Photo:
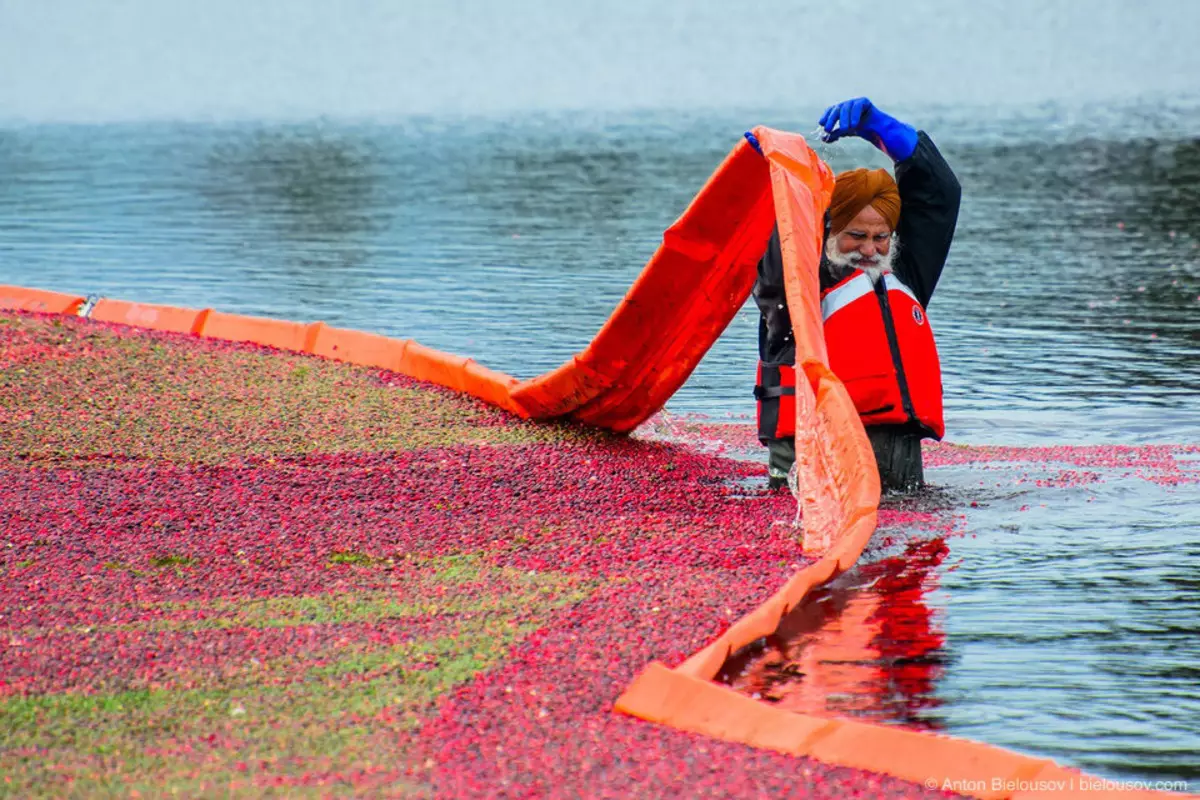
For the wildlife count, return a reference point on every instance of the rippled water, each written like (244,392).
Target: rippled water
(1069,313)
(1072,618)
(1046,607)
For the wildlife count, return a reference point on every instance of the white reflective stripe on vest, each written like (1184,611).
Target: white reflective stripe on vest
(892,282)
(837,299)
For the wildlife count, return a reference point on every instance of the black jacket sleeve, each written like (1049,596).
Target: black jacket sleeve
(929,198)
(775,342)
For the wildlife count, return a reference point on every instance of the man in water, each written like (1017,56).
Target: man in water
(886,242)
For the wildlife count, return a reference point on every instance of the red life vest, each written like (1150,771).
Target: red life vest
(881,346)
(775,390)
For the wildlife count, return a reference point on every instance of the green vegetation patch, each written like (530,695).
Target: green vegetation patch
(77,391)
(285,728)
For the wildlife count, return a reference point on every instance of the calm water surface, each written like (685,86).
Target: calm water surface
(1069,313)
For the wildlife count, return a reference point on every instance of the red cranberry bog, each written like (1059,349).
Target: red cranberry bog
(244,556)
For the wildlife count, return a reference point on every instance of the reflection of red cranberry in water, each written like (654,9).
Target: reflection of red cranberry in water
(868,649)
(908,642)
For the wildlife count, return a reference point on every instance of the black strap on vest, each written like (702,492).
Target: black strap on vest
(889,326)
(767,392)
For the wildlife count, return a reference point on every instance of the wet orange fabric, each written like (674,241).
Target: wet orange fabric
(18,298)
(835,466)
(146,315)
(683,300)
(271,332)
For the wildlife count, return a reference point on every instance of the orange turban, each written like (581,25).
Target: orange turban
(859,188)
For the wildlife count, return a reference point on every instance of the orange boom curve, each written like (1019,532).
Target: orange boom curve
(683,300)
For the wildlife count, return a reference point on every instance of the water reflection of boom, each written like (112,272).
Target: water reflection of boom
(870,649)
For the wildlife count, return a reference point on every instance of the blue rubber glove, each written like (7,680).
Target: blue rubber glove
(858,117)
(753,140)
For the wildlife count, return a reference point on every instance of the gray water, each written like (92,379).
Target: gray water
(1072,618)
(1069,313)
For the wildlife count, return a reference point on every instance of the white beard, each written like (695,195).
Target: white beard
(873,267)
